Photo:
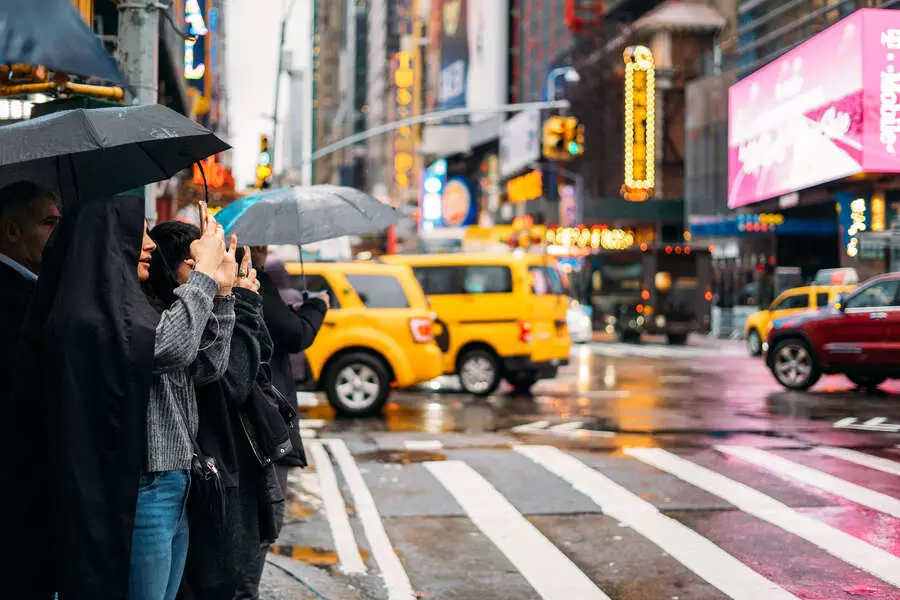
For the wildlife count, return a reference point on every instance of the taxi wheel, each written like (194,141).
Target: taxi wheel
(358,384)
(754,343)
(479,372)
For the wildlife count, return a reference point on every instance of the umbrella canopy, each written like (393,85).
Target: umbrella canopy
(304,215)
(103,151)
(51,33)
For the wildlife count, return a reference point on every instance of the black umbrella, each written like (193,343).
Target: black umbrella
(51,33)
(103,151)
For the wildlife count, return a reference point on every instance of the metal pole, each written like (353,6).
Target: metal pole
(138,58)
(434,117)
(274,145)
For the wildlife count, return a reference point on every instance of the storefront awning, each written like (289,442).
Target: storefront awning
(681,16)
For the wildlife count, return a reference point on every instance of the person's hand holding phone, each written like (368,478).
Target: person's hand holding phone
(247,274)
(226,274)
(209,251)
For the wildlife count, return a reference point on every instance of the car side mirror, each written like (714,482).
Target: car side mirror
(839,302)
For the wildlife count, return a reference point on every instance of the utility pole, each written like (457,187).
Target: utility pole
(138,58)
(284,21)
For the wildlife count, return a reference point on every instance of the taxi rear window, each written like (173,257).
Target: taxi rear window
(547,281)
(379,291)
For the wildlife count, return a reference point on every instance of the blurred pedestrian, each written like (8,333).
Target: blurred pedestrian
(28,215)
(114,379)
(292,330)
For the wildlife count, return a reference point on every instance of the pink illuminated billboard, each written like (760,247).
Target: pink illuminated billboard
(826,110)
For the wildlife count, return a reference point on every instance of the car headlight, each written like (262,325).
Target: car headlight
(660,321)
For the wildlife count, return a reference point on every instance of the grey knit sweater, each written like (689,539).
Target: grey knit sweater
(192,343)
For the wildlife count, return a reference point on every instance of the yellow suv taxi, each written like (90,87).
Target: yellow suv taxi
(378,333)
(500,316)
(789,302)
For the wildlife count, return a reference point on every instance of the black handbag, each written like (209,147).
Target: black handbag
(267,421)
(207,493)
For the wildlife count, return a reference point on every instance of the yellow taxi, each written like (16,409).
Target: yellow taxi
(378,333)
(789,302)
(500,316)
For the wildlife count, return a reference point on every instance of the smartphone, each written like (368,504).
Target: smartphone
(203,212)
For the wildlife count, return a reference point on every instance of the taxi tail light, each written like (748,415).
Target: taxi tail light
(525,332)
(422,330)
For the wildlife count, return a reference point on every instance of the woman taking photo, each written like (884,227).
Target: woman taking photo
(102,378)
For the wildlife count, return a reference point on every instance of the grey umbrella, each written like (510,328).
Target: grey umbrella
(304,215)
(103,151)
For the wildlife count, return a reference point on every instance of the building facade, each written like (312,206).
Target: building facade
(328,40)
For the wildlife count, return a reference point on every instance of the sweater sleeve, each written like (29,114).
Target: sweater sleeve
(215,346)
(181,326)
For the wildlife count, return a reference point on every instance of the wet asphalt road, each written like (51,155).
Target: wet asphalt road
(640,472)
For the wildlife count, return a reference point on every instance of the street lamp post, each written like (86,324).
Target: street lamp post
(284,21)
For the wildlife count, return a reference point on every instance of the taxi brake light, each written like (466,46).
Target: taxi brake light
(422,330)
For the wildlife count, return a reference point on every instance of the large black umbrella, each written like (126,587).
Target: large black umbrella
(51,33)
(103,151)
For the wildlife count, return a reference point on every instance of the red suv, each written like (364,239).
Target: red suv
(858,336)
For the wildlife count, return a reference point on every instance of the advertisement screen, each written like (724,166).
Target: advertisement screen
(819,113)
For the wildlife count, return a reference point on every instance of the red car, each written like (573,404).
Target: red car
(858,336)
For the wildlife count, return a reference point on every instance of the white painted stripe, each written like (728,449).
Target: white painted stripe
(307,399)
(312,423)
(395,578)
(423,445)
(549,571)
(789,469)
(336,512)
(844,546)
(530,426)
(875,421)
(860,458)
(845,422)
(720,569)
(563,427)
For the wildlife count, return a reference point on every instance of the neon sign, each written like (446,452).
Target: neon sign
(404,140)
(193,17)
(640,123)
(525,187)
(858,225)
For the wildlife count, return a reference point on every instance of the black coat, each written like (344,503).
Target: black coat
(15,296)
(292,331)
(82,393)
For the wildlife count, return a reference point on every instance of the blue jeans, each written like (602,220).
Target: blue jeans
(160,541)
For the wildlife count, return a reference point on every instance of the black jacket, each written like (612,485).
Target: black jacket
(15,296)
(291,331)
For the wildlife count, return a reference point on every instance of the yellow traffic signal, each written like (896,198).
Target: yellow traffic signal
(554,141)
(264,164)
(574,137)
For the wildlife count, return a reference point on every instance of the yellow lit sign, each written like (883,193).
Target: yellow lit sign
(771,219)
(597,238)
(404,82)
(524,188)
(878,218)
(858,225)
(640,123)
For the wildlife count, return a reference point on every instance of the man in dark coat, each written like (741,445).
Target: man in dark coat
(28,215)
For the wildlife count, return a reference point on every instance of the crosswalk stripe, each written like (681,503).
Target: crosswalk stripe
(336,513)
(859,458)
(824,481)
(395,578)
(691,549)
(550,572)
(423,445)
(844,546)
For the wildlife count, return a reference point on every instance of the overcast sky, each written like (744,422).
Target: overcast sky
(252,31)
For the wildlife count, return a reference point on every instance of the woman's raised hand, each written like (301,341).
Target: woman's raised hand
(226,274)
(209,251)
(247,274)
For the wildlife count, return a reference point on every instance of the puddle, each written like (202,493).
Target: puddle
(311,555)
(402,457)
(297,510)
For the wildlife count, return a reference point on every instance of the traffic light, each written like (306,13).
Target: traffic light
(574,137)
(563,138)
(554,141)
(263,164)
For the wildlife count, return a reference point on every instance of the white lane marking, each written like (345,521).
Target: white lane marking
(307,399)
(563,427)
(874,424)
(859,458)
(308,433)
(336,513)
(547,569)
(844,546)
(526,427)
(424,445)
(312,423)
(395,578)
(700,555)
(791,470)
